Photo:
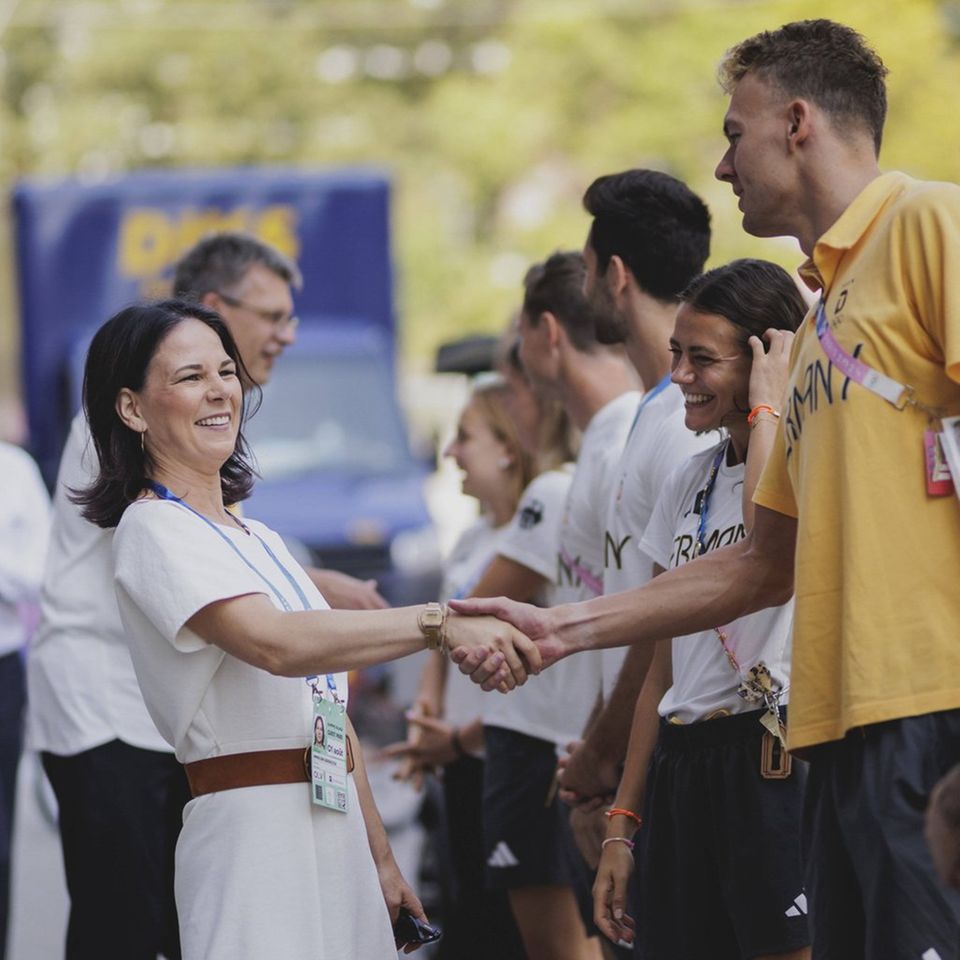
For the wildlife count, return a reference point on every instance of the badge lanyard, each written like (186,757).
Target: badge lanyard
(897,394)
(856,370)
(662,385)
(332,711)
(758,685)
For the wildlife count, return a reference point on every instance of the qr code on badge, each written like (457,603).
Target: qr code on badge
(318,792)
(341,800)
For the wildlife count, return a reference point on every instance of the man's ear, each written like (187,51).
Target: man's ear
(211,300)
(616,276)
(799,123)
(128,410)
(552,329)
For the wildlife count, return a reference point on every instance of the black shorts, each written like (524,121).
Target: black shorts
(720,848)
(871,882)
(521,830)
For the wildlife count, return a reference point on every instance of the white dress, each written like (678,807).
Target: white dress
(260,871)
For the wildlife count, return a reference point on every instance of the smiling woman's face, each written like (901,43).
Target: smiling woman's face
(190,402)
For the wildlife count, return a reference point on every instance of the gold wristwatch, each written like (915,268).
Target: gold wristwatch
(430,621)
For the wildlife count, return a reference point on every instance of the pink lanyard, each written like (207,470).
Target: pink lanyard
(879,383)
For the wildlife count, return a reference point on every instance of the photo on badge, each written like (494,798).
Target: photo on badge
(950,441)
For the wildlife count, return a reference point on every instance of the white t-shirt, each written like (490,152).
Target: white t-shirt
(579,563)
(555,705)
(24,530)
(81,685)
(579,569)
(658,443)
(170,564)
(463,699)
(703,679)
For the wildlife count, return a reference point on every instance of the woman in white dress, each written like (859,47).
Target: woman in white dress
(282,853)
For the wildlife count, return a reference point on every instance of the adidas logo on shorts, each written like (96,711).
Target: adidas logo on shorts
(502,856)
(798,908)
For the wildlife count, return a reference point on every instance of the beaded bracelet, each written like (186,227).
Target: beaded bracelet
(623,812)
(630,844)
(761,408)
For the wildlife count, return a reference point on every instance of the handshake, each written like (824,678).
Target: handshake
(498,643)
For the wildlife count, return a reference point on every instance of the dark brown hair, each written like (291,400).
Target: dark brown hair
(119,355)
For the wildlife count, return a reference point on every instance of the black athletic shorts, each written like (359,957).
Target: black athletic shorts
(873,891)
(521,830)
(720,848)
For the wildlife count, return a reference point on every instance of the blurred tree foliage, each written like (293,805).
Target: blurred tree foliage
(492,115)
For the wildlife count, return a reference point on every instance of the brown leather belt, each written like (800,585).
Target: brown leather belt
(256,769)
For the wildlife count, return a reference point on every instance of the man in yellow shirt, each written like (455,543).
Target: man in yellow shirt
(845,514)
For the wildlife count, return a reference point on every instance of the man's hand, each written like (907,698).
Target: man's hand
(589,827)
(491,651)
(429,743)
(344,592)
(585,779)
(536,623)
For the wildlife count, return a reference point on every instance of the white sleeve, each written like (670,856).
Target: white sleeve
(533,536)
(24,527)
(170,564)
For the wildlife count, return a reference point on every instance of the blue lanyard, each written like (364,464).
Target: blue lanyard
(703,499)
(166,494)
(658,389)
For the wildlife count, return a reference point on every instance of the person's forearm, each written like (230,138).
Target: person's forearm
(376,832)
(762,435)
(717,588)
(644,731)
(297,644)
(609,733)
(433,682)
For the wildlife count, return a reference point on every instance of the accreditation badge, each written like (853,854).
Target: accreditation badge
(939,478)
(328,755)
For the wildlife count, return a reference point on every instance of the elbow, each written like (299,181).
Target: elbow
(268,655)
(777,584)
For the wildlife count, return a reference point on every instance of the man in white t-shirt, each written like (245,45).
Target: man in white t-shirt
(24,529)
(650,237)
(597,386)
(119,788)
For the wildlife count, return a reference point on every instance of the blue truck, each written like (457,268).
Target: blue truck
(338,477)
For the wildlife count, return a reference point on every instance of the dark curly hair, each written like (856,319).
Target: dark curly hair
(119,356)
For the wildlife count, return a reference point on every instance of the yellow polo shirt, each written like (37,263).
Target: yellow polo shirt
(877,626)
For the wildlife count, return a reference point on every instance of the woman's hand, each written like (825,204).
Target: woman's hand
(610,893)
(768,374)
(397,893)
(495,653)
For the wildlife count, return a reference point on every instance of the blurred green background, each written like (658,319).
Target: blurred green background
(491,115)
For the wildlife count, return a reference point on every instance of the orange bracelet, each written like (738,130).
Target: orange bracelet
(621,812)
(761,408)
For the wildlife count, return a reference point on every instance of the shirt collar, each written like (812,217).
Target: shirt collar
(818,272)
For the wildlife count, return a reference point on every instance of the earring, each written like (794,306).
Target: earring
(143,444)
(504,463)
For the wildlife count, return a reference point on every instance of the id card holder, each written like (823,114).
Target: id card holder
(949,438)
(775,762)
(328,755)
(939,478)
